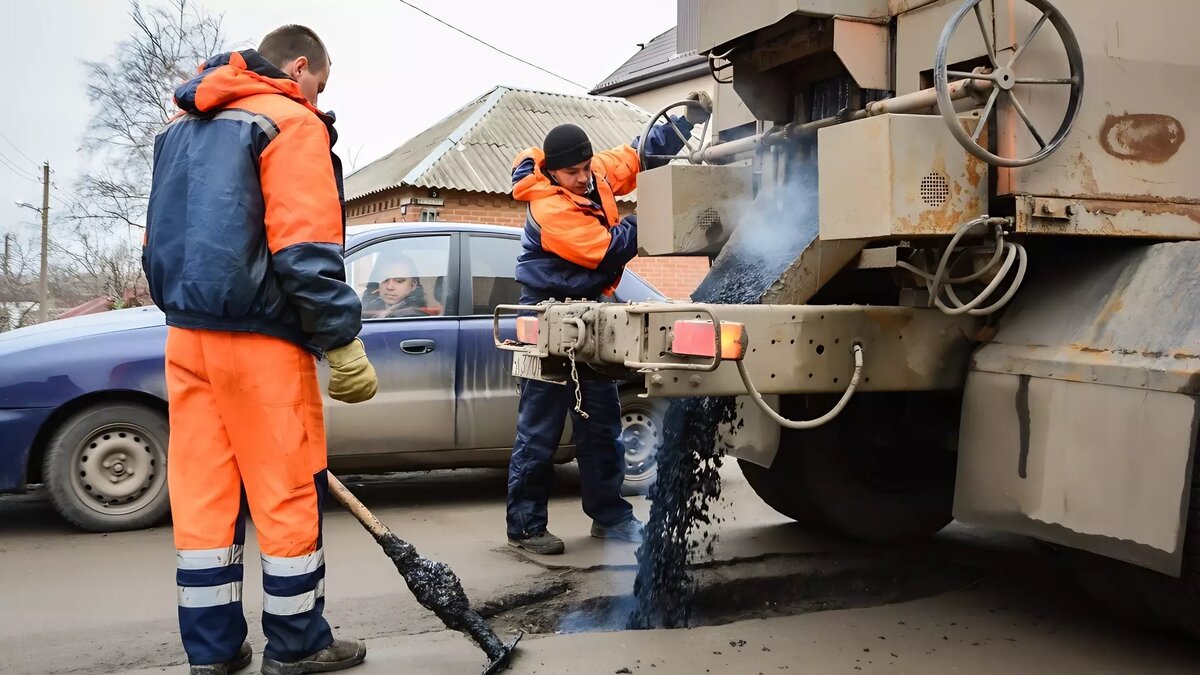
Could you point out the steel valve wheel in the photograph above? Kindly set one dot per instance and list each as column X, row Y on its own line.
column 689, row 149
column 1005, row 80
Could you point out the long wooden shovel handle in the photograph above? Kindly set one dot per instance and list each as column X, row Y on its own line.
column 356, row 508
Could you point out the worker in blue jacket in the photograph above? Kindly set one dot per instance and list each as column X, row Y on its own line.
column 576, row 246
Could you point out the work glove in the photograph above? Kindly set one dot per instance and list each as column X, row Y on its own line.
column 699, row 114
column 352, row 378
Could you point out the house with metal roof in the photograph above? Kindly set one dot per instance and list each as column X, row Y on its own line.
column 460, row 169
column 660, row 73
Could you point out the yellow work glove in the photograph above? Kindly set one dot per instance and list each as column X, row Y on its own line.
column 699, row 114
column 352, row 378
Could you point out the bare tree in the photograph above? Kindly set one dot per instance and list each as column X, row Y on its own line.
column 132, row 94
column 132, row 97
column 90, row 265
column 19, row 265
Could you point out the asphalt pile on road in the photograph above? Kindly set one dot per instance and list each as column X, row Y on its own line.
column 775, row 229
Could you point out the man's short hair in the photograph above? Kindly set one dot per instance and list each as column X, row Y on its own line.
column 288, row 43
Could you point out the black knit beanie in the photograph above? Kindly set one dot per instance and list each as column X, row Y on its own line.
column 566, row 145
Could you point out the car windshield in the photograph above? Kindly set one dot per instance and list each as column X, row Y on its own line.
column 635, row 289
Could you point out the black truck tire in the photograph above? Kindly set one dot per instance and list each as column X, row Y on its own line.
column 105, row 467
column 882, row 471
column 779, row 487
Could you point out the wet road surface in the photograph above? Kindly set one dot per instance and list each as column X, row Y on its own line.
column 774, row 597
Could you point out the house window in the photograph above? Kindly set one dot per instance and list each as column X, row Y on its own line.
column 429, row 215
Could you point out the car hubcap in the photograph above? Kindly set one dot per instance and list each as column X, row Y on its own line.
column 641, row 437
column 118, row 470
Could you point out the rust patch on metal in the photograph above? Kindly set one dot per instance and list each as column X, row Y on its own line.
column 1142, row 137
column 1105, row 217
column 1112, row 208
column 889, row 319
column 946, row 218
column 985, row 334
column 1154, row 354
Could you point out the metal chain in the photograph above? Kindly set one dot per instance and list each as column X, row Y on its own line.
column 575, row 379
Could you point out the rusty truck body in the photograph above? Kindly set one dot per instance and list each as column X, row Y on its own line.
column 994, row 316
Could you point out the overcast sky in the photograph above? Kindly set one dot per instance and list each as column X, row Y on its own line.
column 395, row 71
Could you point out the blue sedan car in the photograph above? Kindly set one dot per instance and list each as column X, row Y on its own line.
column 83, row 401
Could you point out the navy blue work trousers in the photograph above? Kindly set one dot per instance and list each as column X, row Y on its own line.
column 543, row 413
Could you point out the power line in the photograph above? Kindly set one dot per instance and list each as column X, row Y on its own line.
column 14, row 146
column 12, row 166
column 492, row 46
column 60, row 200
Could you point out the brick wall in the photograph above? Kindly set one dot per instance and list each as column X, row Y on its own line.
column 674, row 277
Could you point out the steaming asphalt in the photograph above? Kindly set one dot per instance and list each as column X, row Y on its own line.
column 972, row 602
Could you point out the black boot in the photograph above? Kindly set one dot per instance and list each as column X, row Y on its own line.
column 340, row 655
column 239, row 661
column 542, row 543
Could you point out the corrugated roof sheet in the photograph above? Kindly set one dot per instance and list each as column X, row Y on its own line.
column 473, row 149
column 660, row 55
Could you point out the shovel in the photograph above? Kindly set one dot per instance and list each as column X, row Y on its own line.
column 434, row 584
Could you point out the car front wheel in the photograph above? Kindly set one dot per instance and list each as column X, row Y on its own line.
column 106, row 468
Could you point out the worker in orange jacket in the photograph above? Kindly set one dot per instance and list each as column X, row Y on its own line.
column 576, row 246
column 243, row 252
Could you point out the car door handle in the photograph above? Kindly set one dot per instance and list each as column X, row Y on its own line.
column 417, row 347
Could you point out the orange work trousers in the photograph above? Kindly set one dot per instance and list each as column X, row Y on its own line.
column 246, row 433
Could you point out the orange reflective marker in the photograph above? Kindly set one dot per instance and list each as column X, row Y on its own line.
column 527, row 330
column 694, row 337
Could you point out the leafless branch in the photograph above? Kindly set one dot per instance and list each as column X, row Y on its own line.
column 132, row 96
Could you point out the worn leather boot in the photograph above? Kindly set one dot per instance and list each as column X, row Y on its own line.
column 542, row 543
column 238, row 662
column 340, row 655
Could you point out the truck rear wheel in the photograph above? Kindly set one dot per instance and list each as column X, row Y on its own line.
column 882, row 471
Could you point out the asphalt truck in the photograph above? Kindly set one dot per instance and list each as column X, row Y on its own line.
column 964, row 234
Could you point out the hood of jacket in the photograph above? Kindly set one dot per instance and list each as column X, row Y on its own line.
column 226, row 78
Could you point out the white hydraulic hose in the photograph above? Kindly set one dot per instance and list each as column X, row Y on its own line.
column 805, row 424
column 963, row 308
column 1010, row 251
column 1022, row 263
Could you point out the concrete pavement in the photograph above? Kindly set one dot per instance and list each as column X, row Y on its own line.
column 777, row 599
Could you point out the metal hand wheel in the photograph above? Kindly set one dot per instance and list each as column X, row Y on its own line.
column 687, row 142
column 1005, row 80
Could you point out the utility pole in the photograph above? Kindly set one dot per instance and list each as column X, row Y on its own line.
column 43, row 286
column 7, row 237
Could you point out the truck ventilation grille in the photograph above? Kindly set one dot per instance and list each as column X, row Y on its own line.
column 935, row 189
column 708, row 218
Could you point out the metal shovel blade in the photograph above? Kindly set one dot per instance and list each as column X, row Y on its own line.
column 501, row 663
